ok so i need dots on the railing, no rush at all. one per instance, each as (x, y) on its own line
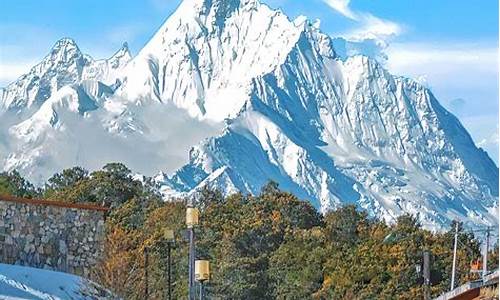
(469, 286)
(491, 278)
(461, 290)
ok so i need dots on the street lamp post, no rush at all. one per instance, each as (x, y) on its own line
(192, 220)
(202, 274)
(146, 276)
(427, 273)
(485, 256)
(453, 269)
(169, 237)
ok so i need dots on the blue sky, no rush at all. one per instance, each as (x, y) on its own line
(451, 45)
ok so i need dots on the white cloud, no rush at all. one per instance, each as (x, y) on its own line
(472, 54)
(342, 6)
(10, 72)
(374, 27)
(371, 27)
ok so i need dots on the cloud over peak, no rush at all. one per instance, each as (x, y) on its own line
(371, 27)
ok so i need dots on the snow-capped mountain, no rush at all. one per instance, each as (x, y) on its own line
(261, 98)
(64, 65)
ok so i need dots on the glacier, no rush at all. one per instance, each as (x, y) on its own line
(230, 94)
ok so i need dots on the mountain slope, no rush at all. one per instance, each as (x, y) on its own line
(336, 132)
(64, 65)
(205, 55)
(262, 98)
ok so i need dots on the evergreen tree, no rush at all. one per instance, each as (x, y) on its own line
(12, 183)
(267, 246)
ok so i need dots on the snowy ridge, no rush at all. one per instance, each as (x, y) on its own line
(64, 65)
(262, 98)
(204, 57)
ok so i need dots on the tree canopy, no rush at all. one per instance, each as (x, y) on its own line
(267, 246)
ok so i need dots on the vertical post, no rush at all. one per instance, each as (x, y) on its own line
(485, 256)
(169, 272)
(146, 263)
(169, 236)
(202, 272)
(427, 274)
(191, 263)
(192, 215)
(454, 259)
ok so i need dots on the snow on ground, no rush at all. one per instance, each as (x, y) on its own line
(18, 282)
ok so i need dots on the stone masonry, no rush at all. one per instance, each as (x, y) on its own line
(51, 235)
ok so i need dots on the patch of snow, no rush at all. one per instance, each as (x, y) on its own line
(18, 282)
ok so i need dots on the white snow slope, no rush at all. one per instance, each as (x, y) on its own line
(17, 282)
(262, 98)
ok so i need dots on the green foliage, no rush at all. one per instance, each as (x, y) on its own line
(296, 267)
(343, 226)
(270, 246)
(12, 183)
(112, 186)
(67, 178)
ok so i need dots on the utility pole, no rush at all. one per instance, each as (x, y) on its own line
(169, 272)
(192, 220)
(202, 292)
(427, 274)
(168, 235)
(454, 258)
(486, 249)
(191, 262)
(146, 283)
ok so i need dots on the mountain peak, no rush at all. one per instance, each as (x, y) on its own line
(125, 46)
(64, 65)
(121, 57)
(220, 9)
(225, 3)
(124, 51)
(64, 45)
(332, 131)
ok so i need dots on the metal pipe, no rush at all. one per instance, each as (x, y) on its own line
(454, 259)
(191, 263)
(146, 283)
(201, 290)
(486, 249)
(192, 220)
(427, 274)
(169, 272)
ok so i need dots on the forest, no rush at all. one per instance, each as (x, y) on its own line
(266, 246)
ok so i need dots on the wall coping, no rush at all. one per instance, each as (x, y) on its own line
(7, 198)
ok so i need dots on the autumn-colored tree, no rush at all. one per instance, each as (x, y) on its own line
(121, 268)
(267, 246)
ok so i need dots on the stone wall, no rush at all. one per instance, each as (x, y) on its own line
(51, 235)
